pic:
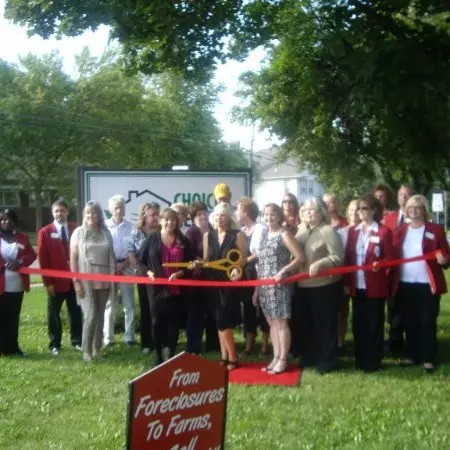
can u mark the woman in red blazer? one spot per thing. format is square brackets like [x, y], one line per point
[420, 284]
[368, 243]
[15, 252]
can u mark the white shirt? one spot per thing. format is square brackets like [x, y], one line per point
[258, 231]
[13, 280]
[343, 234]
[361, 249]
[121, 234]
[59, 226]
[414, 272]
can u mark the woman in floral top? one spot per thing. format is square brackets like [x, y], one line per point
[146, 224]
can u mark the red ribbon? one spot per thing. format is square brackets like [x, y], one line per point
[206, 283]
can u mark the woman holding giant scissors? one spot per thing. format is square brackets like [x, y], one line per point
[216, 245]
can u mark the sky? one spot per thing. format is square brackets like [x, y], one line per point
[14, 42]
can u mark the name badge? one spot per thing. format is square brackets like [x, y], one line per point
[374, 239]
[429, 235]
[54, 235]
[376, 250]
[21, 246]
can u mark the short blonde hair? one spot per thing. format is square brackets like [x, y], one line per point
[180, 208]
[421, 201]
[249, 207]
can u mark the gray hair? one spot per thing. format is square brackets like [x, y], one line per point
[116, 200]
[224, 209]
[319, 204]
[98, 209]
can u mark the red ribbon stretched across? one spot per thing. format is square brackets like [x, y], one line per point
[206, 283]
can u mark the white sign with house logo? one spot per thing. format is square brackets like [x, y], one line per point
[437, 203]
[163, 187]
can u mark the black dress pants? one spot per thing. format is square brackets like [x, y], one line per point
[54, 305]
[368, 331]
[249, 319]
[10, 307]
[167, 316]
[396, 326]
[201, 318]
[420, 310]
[145, 318]
[317, 325]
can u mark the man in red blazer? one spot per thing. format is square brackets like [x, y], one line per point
[394, 220]
[53, 253]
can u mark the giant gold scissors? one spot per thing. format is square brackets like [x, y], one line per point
[231, 262]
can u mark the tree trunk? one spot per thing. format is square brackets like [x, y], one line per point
[38, 206]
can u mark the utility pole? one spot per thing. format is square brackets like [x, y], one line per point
[250, 155]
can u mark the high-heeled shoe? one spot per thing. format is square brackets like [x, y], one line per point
[280, 367]
[270, 367]
[232, 365]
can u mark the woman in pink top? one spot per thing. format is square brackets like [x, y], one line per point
[167, 303]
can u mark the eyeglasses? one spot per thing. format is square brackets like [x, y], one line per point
[288, 201]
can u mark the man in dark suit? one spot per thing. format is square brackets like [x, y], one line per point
[53, 253]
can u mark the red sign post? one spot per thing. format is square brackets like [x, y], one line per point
[179, 405]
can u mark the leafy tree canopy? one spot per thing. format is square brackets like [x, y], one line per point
[353, 86]
[51, 122]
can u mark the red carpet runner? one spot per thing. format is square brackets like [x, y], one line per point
[250, 373]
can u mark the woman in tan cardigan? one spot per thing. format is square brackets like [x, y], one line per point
[318, 298]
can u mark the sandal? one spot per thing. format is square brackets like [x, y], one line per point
[280, 367]
[270, 367]
[232, 365]
[223, 362]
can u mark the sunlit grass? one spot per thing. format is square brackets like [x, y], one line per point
[62, 403]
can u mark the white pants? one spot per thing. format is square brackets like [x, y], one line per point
[126, 290]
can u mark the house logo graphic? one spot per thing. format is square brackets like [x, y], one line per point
[134, 199]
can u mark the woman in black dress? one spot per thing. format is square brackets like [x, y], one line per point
[216, 244]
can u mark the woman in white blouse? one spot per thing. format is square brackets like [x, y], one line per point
[246, 214]
[421, 283]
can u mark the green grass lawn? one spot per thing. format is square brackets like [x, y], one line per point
[63, 403]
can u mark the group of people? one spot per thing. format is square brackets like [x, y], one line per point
[307, 319]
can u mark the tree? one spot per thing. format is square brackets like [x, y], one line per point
[352, 86]
[36, 142]
[181, 35]
[51, 123]
[359, 89]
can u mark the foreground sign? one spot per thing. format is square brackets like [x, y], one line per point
[179, 405]
[163, 187]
